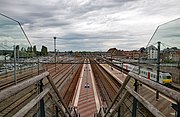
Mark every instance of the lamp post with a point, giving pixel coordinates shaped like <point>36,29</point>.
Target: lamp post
<point>55,52</point>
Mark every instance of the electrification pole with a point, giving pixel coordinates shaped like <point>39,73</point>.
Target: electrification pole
<point>15,65</point>
<point>158,68</point>
<point>136,84</point>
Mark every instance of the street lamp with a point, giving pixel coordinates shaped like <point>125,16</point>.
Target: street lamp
<point>55,52</point>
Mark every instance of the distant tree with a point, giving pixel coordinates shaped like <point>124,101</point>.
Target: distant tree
<point>34,50</point>
<point>142,49</point>
<point>23,49</point>
<point>29,49</point>
<point>38,53</point>
<point>17,47</point>
<point>174,48</point>
<point>17,51</point>
<point>70,52</point>
<point>44,51</point>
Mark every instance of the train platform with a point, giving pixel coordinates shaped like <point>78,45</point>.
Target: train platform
<point>86,100</point>
<point>163,104</point>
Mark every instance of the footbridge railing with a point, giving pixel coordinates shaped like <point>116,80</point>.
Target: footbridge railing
<point>35,103</point>
<point>126,93</point>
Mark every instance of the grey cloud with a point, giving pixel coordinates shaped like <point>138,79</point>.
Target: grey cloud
<point>90,24</point>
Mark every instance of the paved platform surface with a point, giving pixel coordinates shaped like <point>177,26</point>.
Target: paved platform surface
<point>86,99</point>
<point>163,104</point>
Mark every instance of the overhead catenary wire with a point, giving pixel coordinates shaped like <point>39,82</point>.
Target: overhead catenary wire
<point>166,45</point>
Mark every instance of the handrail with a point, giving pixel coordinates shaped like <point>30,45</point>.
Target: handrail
<point>20,86</point>
<point>31,104</point>
<point>57,104</point>
<point>120,102</point>
<point>117,95</point>
<point>58,95</point>
<point>145,103</point>
<point>164,90</point>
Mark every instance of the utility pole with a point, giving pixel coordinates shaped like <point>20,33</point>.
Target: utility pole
<point>55,52</point>
<point>38,67</point>
<point>111,61</point>
<point>158,68</point>
<point>18,53</point>
<point>136,84</point>
<point>5,63</point>
<point>15,65</point>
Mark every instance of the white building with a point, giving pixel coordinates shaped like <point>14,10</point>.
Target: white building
<point>152,52</point>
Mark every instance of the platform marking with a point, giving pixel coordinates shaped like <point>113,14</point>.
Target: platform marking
<point>79,87</point>
<point>94,89</point>
<point>112,74</point>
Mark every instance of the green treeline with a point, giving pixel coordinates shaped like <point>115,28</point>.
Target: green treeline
<point>28,52</point>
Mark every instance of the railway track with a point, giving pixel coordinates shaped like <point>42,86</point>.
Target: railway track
<point>107,85</point>
<point>148,94</point>
<point>47,99</point>
<point>66,79</point>
<point>11,105</point>
<point>68,93</point>
<point>9,81</point>
<point>18,71</point>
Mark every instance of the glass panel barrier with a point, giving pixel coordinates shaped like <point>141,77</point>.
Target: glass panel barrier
<point>167,39</point>
<point>13,44</point>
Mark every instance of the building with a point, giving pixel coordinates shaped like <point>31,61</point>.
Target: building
<point>121,54</point>
<point>152,52</point>
<point>111,52</point>
<point>175,56</point>
<point>170,55</point>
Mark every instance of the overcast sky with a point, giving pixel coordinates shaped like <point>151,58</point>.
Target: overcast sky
<point>91,24</point>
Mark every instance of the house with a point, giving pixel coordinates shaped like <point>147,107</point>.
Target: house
<point>111,52</point>
<point>170,54</point>
<point>121,54</point>
<point>175,56</point>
